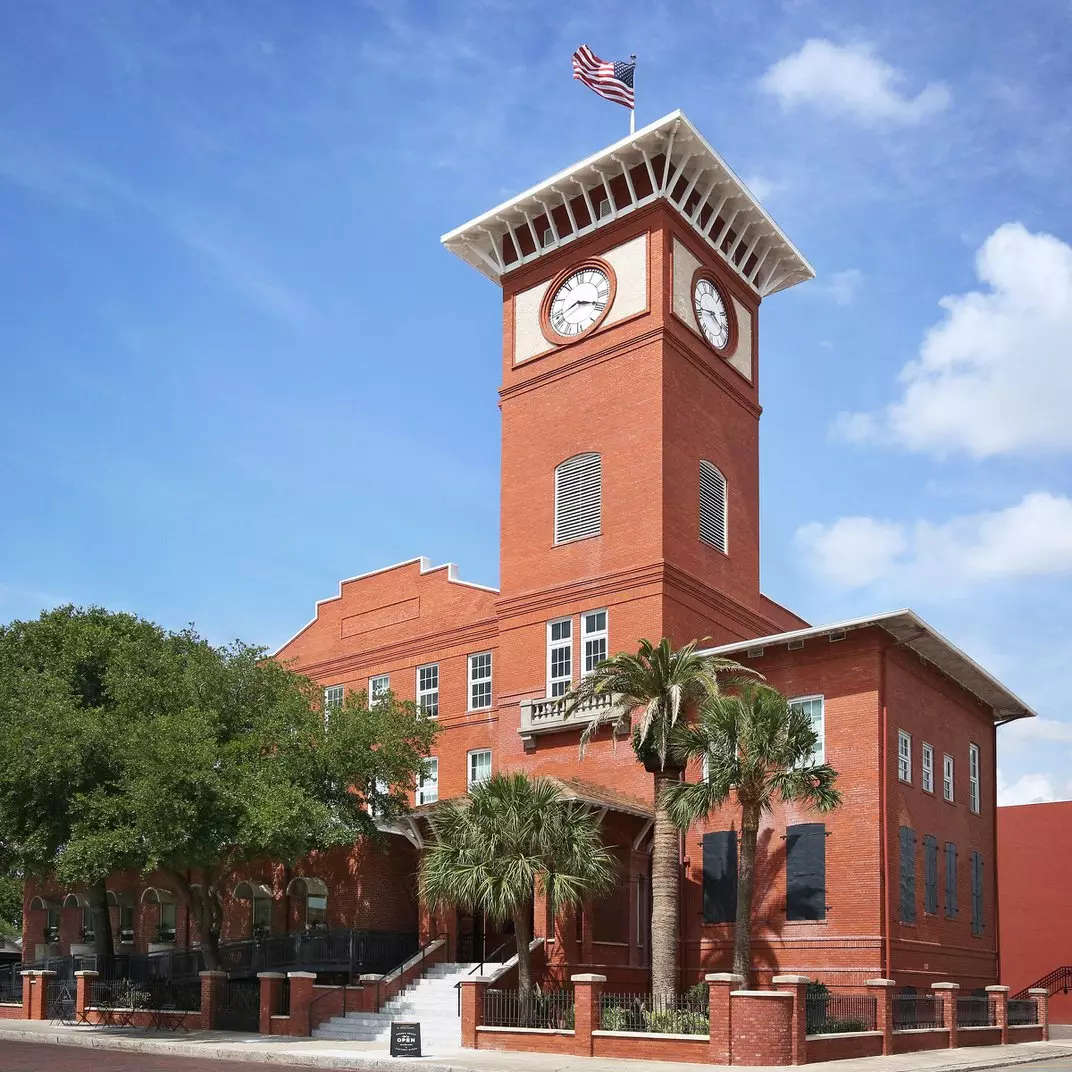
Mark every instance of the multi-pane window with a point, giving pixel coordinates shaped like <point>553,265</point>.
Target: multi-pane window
<point>166,927</point>
<point>928,767</point>
<point>947,778</point>
<point>578,498</point>
<point>594,636</point>
<point>479,766</point>
<point>428,787</point>
<point>333,696</point>
<point>480,681</point>
<point>904,756</point>
<point>973,776</point>
<point>87,924</point>
<point>378,688</point>
<point>712,506</point>
<point>812,706</point>
<point>559,657</point>
<point>316,911</point>
<point>126,923</point>
<point>262,915</point>
<point>428,690</point>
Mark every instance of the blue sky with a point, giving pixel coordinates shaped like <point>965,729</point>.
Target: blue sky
<point>236,365</point>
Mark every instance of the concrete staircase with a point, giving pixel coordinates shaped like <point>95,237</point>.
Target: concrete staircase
<point>432,1001</point>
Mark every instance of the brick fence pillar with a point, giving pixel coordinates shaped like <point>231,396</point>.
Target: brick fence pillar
<point>271,988</point>
<point>587,990</point>
<point>472,1009</point>
<point>39,995</point>
<point>212,983</point>
<point>947,993</point>
<point>372,995</point>
<point>301,997</point>
<point>1042,996</point>
<point>83,997</point>
<point>797,985</point>
<point>882,990</point>
<point>720,984</point>
<point>28,983</point>
<point>999,995</point>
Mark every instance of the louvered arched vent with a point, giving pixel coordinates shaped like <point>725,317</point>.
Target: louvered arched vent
<point>712,506</point>
<point>578,498</point>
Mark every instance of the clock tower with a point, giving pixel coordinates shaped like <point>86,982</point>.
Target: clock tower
<point>631,284</point>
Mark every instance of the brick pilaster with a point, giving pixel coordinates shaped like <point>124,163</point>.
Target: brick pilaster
<point>1042,996</point>
<point>882,990</point>
<point>271,988</point>
<point>720,985</point>
<point>301,997</point>
<point>999,995</point>
<point>948,994</point>
<point>472,1009</point>
<point>28,984</point>
<point>211,997</point>
<point>797,985</point>
<point>587,990</point>
<point>83,998</point>
<point>38,1007</point>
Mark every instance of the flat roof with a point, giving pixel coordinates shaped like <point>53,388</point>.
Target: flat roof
<point>911,632</point>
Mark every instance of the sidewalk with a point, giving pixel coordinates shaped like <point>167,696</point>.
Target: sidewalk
<point>317,1053</point>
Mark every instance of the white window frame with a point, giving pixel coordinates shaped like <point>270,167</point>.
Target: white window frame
<point>478,682</point>
<point>904,757</point>
<point>819,755</point>
<point>428,786</point>
<point>375,693</point>
<point>973,778</point>
<point>425,693</point>
<point>928,767</point>
<point>470,757</point>
<point>948,787</point>
<point>333,699</point>
<point>555,645</point>
<point>594,636</point>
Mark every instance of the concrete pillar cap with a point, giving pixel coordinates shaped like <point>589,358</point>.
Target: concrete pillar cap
<point>1039,992</point>
<point>998,989</point>
<point>370,977</point>
<point>301,975</point>
<point>723,977</point>
<point>881,982</point>
<point>213,974</point>
<point>588,978</point>
<point>87,972</point>
<point>46,973</point>
<point>762,994</point>
<point>271,975</point>
<point>796,980</point>
<point>945,986</point>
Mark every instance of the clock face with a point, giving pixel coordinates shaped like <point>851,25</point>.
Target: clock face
<point>579,301</point>
<point>711,313</point>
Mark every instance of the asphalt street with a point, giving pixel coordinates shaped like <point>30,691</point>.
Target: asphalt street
<point>41,1057</point>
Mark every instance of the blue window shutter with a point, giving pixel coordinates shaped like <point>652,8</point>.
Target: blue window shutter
<point>908,874</point>
<point>805,871</point>
<point>977,892</point>
<point>720,877</point>
<point>930,874</point>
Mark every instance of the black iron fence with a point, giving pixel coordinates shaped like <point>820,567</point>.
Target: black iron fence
<point>549,1009</point>
<point>829,1014</point>
<point>282,1001</point>
<point>678,1014</point>
<point>976,1011</point>
<point>1023,1011</point>
<point>11,990</point>
<point>914,1011</point>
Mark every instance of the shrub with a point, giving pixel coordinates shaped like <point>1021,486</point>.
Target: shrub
<point>699,994</point>
<point>616,1019</point>
<point>677,1022</point>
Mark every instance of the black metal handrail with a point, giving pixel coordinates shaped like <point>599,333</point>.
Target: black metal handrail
<point>1057,981</point>
<point>493,957</point>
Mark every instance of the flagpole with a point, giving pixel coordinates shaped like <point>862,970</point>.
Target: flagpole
<point>632,111</point>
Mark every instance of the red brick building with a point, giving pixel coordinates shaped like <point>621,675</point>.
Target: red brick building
<point>632,284</point>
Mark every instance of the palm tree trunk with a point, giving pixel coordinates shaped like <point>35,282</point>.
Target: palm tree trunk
<point>524,959</point>
<point>746,867</point>
<point>102,924</point>
<point>665,893</point>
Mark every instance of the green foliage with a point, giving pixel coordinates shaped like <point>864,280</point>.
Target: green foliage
<point>699,995</point>
<point>616,1018</point>
<point>840,1027</point>
<point>677,1022</point>
<point>10,906</point>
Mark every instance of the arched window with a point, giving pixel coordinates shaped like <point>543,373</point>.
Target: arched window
<point>712,506</point>
<point>578,498</point>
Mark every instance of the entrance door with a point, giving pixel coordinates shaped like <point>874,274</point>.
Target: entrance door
<point>470,937</point>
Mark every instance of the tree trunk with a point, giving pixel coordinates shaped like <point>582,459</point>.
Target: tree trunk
<point>524,957</point>
<point>746,867</point>
<point>102,925</point>
<point>665,892</point>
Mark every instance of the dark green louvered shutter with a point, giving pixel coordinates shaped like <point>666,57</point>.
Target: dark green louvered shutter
<point>950,880</point>
<point>720,877</point>
<point>908,875</point>
<point>930,874</point>
<point>977,892</point>
<point>805,871</point>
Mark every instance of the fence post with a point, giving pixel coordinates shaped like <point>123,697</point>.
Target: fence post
<point>947,992</point>
<point>1000,995</point>
<point>271,987</point>
<point>472,1009</point>
<point>798,986</point>
<point>587,990</point>
<point>301,997</point>
<point>27,993</point>
<point>211,997</point>
<point>720,984</point>
<point>883,989</point>
<point>1042,996</point>
<point>372,998</point>
<point>83,983</point>
<point>39,1003</point>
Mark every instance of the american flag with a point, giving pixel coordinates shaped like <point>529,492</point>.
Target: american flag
<point>614,81</point>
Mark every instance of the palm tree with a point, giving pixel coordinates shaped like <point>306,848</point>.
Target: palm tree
<point>663,688</point>
<point>758,747</point>
<point>511,836</point>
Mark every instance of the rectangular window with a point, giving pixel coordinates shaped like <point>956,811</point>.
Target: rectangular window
<point>594,635</point>
<point>126,923</point>
<point>904,756</point>
<point>428,787</point>
<point>333,696</point>
<point>977,892</point>
<point>262,915</point>
<point>87,924</point>
<point>812,706</point>
<point>316,911</point>
<point>930,874</point>
<point>559,657</point>
<point>720,877</point>
<point>480,681</point>
<point>479,766</point>
<point>167,923</point>
<point>950,880</point>
<point>928,767</point>
<point>378,688</point>
<point>947,778</point>
<point>908,875</point>
<point>805,871</point>
<point>973,777</point>
<point>428,690</point>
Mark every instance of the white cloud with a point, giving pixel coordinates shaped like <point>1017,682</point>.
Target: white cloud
<point>1032,789</point>
<point>850,80</point>
<point>762,188</point>
<point>840,287</point>
<point>995,375</point>
<point>1050,731</point>
<point>1031,538</point>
